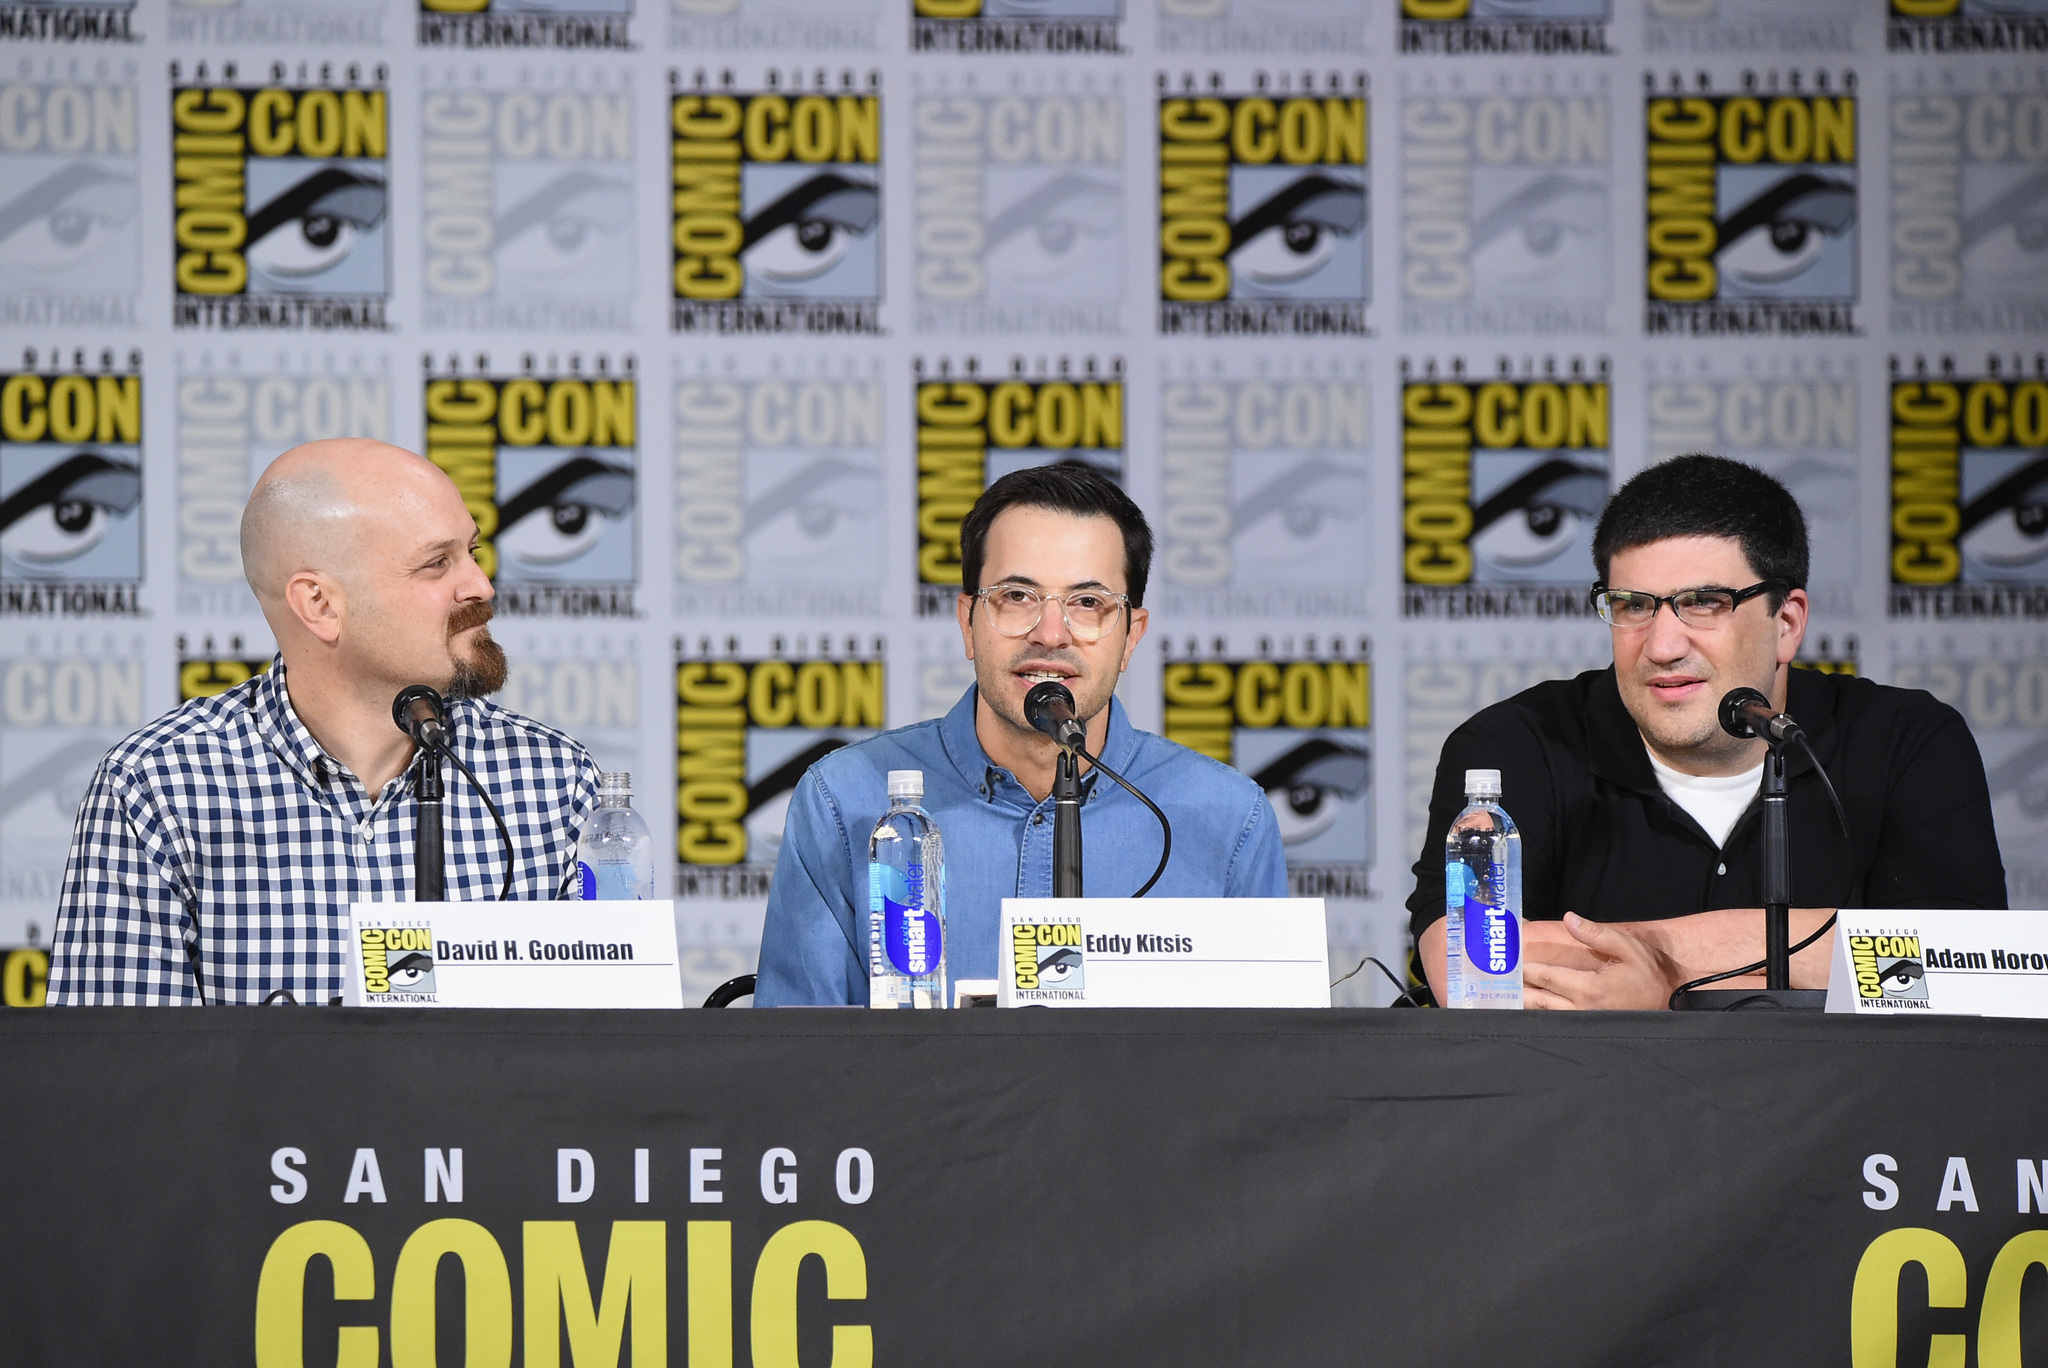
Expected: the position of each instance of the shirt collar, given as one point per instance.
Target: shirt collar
(964, 750)
(277, 722)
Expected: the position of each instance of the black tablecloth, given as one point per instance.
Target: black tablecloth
(1038, 1187)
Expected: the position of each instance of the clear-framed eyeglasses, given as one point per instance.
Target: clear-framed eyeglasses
(1632, 608)
(1014, 609)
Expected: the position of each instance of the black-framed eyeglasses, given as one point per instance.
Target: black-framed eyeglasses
(1014, 609)
(1631, 608)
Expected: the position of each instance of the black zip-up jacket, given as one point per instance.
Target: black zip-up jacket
(1600, 838)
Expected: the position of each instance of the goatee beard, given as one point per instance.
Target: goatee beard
(484, 672)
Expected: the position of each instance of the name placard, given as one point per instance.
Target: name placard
(1163, 952)
(1952, 962)
(516, 954)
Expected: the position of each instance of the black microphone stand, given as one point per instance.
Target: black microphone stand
(1066, 826)
(1777, 994)
(1777, 875)
(428, 876)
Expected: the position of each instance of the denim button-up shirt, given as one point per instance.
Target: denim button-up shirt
(998, 845)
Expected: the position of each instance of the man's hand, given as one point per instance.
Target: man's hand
(1577, 964)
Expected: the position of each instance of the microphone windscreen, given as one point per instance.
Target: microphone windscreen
(1735, 706)
(1039, 709)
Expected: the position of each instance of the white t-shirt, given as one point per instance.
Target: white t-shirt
(1716, 801)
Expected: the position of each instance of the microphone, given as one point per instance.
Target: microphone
(420, 714)
(1049, 707)
(1747, 713)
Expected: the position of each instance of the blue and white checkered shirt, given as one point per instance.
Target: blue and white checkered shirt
(219, 848)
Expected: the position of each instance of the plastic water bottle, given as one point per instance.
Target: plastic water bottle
(907, 902)
(1483, 900)
(615, 858)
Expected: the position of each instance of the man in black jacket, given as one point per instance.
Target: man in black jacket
(1641, 821)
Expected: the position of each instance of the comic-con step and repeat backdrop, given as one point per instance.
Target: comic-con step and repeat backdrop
(721, 313)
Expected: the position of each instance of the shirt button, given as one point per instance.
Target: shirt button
(367, 832)
(1721, 869)
(1038, 819)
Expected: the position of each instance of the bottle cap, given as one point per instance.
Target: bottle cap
(906, 783)
(617, 784)
(1482, 783)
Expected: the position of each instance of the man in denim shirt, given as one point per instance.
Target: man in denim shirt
(1066, 554)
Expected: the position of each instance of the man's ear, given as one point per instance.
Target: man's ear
(1140, 617)
(1792, 615)
(318, 604)
(963, 609)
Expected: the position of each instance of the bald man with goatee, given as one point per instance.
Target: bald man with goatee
(219, 848)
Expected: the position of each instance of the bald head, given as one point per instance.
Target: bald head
(319, 505)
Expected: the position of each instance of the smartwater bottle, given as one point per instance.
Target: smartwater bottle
(1483, 900)
(615, 858)
(907, 902)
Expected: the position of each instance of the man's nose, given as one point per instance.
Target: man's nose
(1052, 626)
(476, 584)
(1669, 637)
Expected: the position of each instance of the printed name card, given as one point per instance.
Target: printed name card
(1163, 952)
(516, 954)
(1958, 962)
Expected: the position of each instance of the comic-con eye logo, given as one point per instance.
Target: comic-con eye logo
(1020, 208)
(1969, 206)
(231, 425)
(548, 468)
(777, 211)
(1949, 26)
(529, 208)
(1888, 970)
(1266, 496)
(746, 730)
(1543, 27)
(1502, 483)
(1800, 428)
(397, 959)
(279, 207)
(1015, 25)
(1302, 729)
(1263, 214)
(1504, 213)
(58, 715)
(69, 213)
(971, 431)
(70, 493)
(1751, 214)
(1969, 496)
(1048, 959)
(778, 486)
(526, 23)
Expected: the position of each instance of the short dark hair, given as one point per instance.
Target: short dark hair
(1708, 496)
(1068, 486)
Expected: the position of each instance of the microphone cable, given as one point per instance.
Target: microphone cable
(504, 834)
(399, 713)
(1165, 827)
(1841, 817)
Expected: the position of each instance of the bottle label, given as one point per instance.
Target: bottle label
(588, 882)
(1493, 939)
(911, 936)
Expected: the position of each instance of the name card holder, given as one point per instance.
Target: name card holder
(516, 954)
(1952, 962)
(1163, 952)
